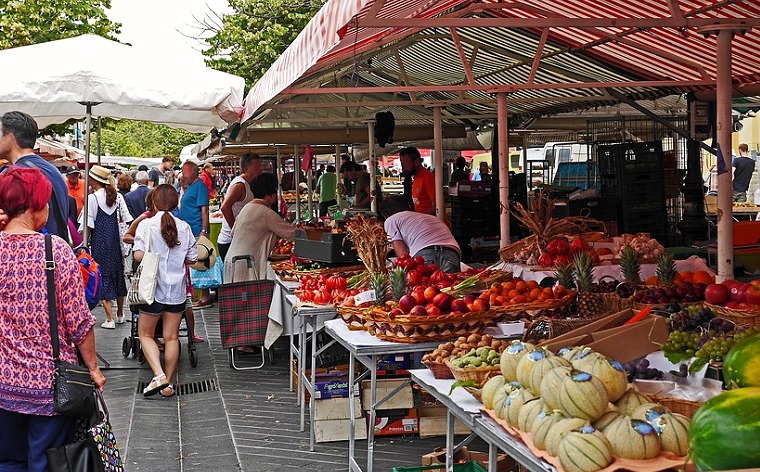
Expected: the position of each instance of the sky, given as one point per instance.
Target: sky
(160, 24)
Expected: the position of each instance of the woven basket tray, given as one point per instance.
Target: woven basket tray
(287, 271)
(507, 253)
(608, 303)
(535, 307)
(547, 328)
(480, 375)
(439, 369)
(416, 329)
(677, 405)
(741, 318)
(353, 317)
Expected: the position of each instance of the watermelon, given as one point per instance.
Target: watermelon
(725, 432)
(741, 367)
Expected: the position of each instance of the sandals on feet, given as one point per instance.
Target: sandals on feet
(157, 384)
(170, 389)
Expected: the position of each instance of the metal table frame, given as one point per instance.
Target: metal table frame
(367, 349)
(481, 426)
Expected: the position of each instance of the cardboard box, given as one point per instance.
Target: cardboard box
(330, 382)
(395, 422)
(609, 337)
(337, 430)
(504, 463)
(395, 364)
(336, 409)
(433, 422)
(403, 399)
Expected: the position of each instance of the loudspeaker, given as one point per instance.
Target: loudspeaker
(385, 123)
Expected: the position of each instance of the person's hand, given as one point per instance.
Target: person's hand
(98, 378)
(3, 219)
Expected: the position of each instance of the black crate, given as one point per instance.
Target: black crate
(607, 159)
(642, 197)
(324, 246)
(624, 158)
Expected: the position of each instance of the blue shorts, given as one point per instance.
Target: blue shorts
(156, 308)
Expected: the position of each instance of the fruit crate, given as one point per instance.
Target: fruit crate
(469, 466)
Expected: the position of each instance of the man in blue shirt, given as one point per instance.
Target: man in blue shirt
(18, 133)
(193, 209)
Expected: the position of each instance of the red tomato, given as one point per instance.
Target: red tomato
(419, 260)
(413, 278)
(306, 295)
(336, 281)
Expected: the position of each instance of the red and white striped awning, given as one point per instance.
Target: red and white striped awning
(357, 57)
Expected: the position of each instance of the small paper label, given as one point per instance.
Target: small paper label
(366, 296)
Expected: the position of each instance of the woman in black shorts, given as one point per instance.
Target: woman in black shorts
(173, 240)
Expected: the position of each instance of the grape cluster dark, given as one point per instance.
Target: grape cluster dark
(641, 370)
(683, 371)
(690, 318)
(605, 286)
(687, 292)
(715, 349)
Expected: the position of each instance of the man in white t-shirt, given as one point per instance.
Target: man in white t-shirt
(237, 195)
(420, 234)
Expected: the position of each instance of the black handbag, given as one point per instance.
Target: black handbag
(73, 389)
(81, 456)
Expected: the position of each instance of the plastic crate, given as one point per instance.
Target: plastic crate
(623, 158)
(469, 466)
(324, 246)
(642, 196)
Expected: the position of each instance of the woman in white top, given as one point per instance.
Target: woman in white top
(173, 240)
(237, 196)
(106, 208)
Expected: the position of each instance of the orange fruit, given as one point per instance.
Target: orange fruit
(651, 280)
(703, 277)
(520, 299)
(508, 285)
(678, 280)
(521, 286)
(532, 284)
(686, 276)
(495, 288)
(548, 293)
(542, 297)
(534, 293)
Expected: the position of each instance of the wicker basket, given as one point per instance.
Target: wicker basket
(662, 307)
(475, 392)
(479, 375)
(416, 329)
(740, 318)
(439, 369)
(547, 328)
(507, 253)
(287, 271)
(531, 309)
(677, 405)
(353, 316)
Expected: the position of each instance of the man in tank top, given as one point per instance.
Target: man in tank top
(237, 195)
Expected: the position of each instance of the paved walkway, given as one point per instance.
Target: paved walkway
(222, 419)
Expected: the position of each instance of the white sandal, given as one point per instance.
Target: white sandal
(155, 385)
(170, 387)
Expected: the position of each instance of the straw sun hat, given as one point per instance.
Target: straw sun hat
(206, 254)
(101, 174)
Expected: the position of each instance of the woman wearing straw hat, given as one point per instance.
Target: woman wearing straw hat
(106, 208)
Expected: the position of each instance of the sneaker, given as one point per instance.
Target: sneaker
(108, 325)
(120, 319)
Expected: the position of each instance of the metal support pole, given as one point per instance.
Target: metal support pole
(297, 181)
(310, 199)
(86, 229)
(503, 138)
(724, 125)
(440, 202)
(100, 120)
(372, 166)
(278, 174)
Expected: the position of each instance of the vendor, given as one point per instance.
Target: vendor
(354, 173)
(423, 181)
(420, 234)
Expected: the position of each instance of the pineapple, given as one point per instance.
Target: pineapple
(588, 303)
(666, 269)
(564, 275)
(379, 283)
(629, 265)
(397, 278)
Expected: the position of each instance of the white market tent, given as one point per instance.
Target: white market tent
(74, 77)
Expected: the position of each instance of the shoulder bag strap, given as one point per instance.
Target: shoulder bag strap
(62, 228)
(49, 268)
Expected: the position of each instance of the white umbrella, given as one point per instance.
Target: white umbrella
(64, 79)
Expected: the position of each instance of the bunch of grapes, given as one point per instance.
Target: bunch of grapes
(739, 335)
(607, 285)
(690, 318)
(642, 371)
(715, 349)
(719, 327)
(680, 345)
(683, 371)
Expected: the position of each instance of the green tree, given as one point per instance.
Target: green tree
(249, 40)
(142, 139)
(25, 22)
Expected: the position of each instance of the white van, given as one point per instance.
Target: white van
(553, 154)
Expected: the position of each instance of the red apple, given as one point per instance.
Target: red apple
(418, 310)
(395, 312)
(406, 303)
(434, 311)
(419, 296)
(480, 305)
(468, 299)
(753, 294)
(733, 305)
(443, 301)
(430, 293)
(739, 292)
(459, 305)
(717, 294)
(413, 278)
(729, 282)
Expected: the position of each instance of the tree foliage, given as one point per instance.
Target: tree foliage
(25, 22)
(142, 139)
(248, 41)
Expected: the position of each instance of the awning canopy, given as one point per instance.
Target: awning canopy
(358, 57)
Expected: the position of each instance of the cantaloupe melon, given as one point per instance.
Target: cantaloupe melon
(674, 432)
(633, 439)
(514, 403)
(511, 356)
(584, 357)
(526, 364)
(541, 368)
(649, 412)
(528, 413)
(489, 389)
(582, 395)
(584, 451)
(550, 385)
(542, 425)
(607, 419)
(500, 397)
(560, 428)
(631, 400)
(610, 372)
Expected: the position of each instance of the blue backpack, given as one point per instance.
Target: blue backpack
(90, 275)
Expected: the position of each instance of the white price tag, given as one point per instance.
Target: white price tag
(366, 296)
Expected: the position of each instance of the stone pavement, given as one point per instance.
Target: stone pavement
(222, 419)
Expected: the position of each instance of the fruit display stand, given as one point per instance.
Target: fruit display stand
(368, 350)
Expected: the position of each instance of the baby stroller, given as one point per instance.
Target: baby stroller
(131, 344)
